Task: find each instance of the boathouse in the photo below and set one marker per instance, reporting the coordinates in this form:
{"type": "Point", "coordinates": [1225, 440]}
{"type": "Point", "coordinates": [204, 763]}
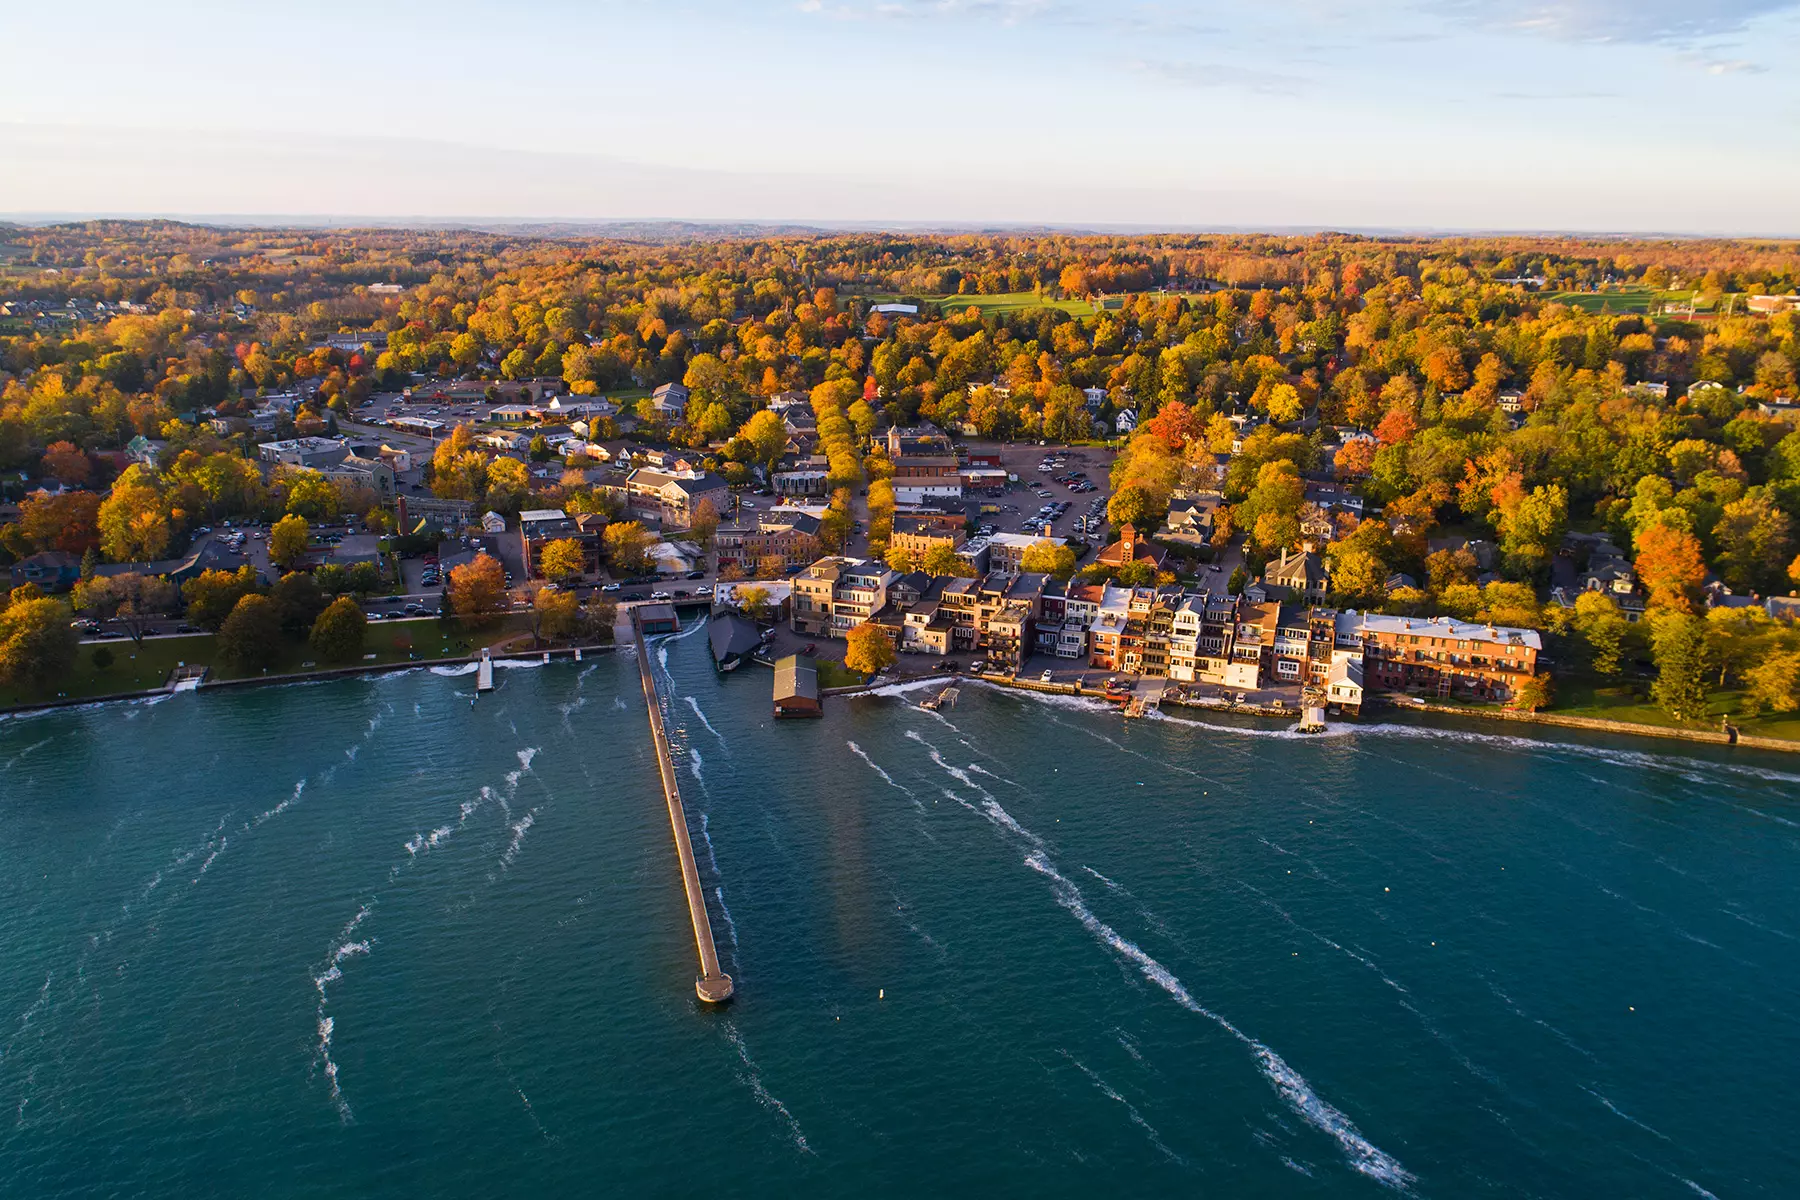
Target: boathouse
{"type": "Point", "coordinates": [733, 639]}
{"type": "Point", "coordinates": [797, 687]}
{"type": "Point", "coordinates": [657, 618]}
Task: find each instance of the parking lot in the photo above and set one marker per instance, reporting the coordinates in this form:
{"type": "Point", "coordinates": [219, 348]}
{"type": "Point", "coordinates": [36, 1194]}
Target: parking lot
{"type": "Point", "coordinates": [1075, 483]}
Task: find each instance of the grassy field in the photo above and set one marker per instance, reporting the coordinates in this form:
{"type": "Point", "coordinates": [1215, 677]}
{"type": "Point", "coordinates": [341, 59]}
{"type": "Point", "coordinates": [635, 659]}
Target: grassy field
{"type": "Point", "coordinates": [1610, 700]}
{"type": "Point", "coordinates": [140, 667]}
{"type": "Point", "coordinates": [1625, 300]}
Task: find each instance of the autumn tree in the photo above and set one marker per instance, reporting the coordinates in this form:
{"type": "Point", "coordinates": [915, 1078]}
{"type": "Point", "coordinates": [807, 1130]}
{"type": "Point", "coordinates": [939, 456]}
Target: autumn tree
{"type": "Point", "coordinates": [298, 601]}
{"type": "Point", "coordinates": [478, 589]}
{"type": "Point", "coordinates": [562, 561]}
{"type": "Point", "coordinates": [37, 644]}
{"type": "Point", "coordinates": [67, 464]}
{"type": "Point", "coordinates": [1048, 558]}
{"type": "Point", "coordinates": [704, 522]}
{"type": "Point", "coordinates": [211, 595]}
{"type": "Point", "coordinates": [941, 561]}
{"type": "Point", "coordinates": [1774, 683]}
{"type": "Point", "coordinates": [134, 601]}
{"type": "Point", "coordinates": [288, 540]}
{"type": "Point", "coordinates": [1670, 566]}
{"type": "Point", "coordinates": [69, 522]}
{"type": "Point", "coordinates": [868, 650]}
{"type": "Point", "coordinates": [554, 613]}
{"type": "Point", "coordinates": [250, 638]}
{"type": "Point", "coordinates": [628, 546]}
{"type": "Point", "coordinates": [337, 634]}
{"type": "Point", "coordinates": [133, 519]}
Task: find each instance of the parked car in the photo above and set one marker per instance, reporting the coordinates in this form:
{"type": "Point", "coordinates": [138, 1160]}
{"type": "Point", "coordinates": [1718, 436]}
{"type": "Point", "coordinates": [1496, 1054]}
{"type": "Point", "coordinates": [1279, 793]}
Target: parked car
{"type": "Point", "coordinates": [610, 587]}
{"type": "Point", "coordinates": [661, 596]}
{"type": "Point", "coordinates": [696, 574]}
{"type": "Point", "coordinates": [1046, 677]}
{"type": "Point", "coordinates": [703, 591]}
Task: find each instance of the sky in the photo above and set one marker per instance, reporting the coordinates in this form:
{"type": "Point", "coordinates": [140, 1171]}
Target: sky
{"type": "Point", "coordinates": [1616, 116]}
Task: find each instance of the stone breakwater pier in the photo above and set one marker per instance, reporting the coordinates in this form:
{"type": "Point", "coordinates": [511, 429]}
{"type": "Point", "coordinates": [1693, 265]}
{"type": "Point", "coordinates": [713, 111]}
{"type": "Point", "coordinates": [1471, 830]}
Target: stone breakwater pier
{"type": "Point", "coordinates": [712, 985]}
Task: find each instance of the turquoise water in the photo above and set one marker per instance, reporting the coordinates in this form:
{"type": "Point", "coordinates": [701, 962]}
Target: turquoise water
{"type": "Point", "coordinates": [365, 938]}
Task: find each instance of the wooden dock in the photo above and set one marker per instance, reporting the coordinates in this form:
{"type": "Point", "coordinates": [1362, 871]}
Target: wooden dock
{"type": "Point", "coordinates": [712, 984]}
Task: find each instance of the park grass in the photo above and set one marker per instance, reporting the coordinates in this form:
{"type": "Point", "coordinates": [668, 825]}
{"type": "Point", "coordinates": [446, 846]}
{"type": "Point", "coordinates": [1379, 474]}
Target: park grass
{"type": "Point", "coordinates": [137, 668]}
{"type": "Point", "coordinates": [1614, 700]}
{"type": "Point", "coordinates": [833, 674]}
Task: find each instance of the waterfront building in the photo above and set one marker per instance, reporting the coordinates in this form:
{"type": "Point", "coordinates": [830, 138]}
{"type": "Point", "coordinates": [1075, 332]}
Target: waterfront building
{"type": "Point", "coordinates": [1440, 655]}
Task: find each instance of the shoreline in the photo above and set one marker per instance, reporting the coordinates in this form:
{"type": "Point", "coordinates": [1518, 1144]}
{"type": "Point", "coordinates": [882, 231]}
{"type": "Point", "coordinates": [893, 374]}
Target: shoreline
{"type": "Point", "coordinates": [18, 710]}
{"type": "Point", "coordinates": [1552, 720]}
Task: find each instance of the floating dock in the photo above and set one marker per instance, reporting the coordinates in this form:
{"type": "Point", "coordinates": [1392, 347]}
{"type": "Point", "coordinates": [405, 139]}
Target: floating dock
{"type": "Point", "coordinates": [484, 673]}
{"type": "Point", "coordinates": [712, 985]}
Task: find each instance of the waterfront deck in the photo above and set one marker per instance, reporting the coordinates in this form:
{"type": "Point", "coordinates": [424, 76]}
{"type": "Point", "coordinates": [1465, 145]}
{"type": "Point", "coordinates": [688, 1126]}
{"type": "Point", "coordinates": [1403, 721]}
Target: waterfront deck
{"type": "Point", "coordinates": [712, 985]}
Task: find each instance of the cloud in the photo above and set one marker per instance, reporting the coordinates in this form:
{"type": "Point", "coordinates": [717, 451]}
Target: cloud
{"type": "Point", "coordinates": [1679, 22]}
{"type": "Point", "coordinates": [1207, 75]}
{"type": "Point", "coordinates": [1724, 66]}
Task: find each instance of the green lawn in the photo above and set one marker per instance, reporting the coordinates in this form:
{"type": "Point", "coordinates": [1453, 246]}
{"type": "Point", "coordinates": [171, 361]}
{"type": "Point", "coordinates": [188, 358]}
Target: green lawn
{"type": "Point", "coordinates": [1611, 700]}
{"type": "Point", "coordinates": [1630, 299]}
{"type": "Point", "coordinates": [140, 667]}
{"type": "Point", "coordinates": [836, 675]}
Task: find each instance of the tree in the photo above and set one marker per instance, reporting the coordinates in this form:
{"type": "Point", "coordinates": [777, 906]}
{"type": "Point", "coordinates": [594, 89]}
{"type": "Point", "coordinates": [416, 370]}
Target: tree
{"type": "Point", "coordinates": [1048, 558]}
{"type": "Point", "coordinates": [37, 644]}
{"type": "Point", "coordinates": [66, 463]}
{"type": "Point", "coordinates": [1602, 630]}
{"type": "Point", "coordinates": [211, 595]}
{"type": "Point", "coordinates": [868, 650]}
{"type": "Point", "coordinates": [508, 484]}
{"type": "Point", "coordinates": [478, 589]}
{"type": "Point", "coordinates": [942, 561]}
{"type": "Point", "coordinates": [1531, 529]}
{"type": "Point", "coordinates": [1284, 403]}
{"type": "Point", "coordinates": [562, 561]}
{"type": "Point", "coordinates": [704, 522]}
{"type": "Point", "coordinates": [1136, 506]}
{"type": "Point", "coordinates": [250, 638]}
{"type": "Point", "coordinates": [753, 600]}
{"type": "Point", "coordinates": [288, 540]}
{"type": "Point", "coordinates": [69, 522]}
{"type": "Point", "coordinates": [554, 612]}
{"type": "Point", "coordinates": [1670, 566]}
{"type": "Point", "coordinates": [902, 559]}
{"type": "Point", "coordinates": [133, 519]}
{"type": "Point", "coordinates": [298, 601]}
{"type": "Point", "coordinates": [1679, 649]}
{"type": "Point", "coordinates": [628, 547]}
{"type": "Point", "coordinates": [311, 495]}
{"type": "Point", "coordinates": [1532, 693]}
{"type": "Point", "coordinates": [132, 600]}
{"type": "Point", "coordinates": [1774, 683]}
{"type": "Point", "coordinates": [1754, 542]}
{"type": "Point", "coordinates": [768, 434]}
{"type": "Point", "coordinates": [337, 634]}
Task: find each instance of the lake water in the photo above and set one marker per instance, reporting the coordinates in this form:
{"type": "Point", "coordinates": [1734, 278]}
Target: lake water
{"type": "Point", "coordinates": [366, 938]}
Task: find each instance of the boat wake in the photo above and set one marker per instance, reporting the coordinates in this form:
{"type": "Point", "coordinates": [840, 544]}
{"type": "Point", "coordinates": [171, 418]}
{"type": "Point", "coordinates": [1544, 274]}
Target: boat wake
{"type": "Point", "coordinates": [1137, 1118]}
{"type": "Point", "coordinates": [699, 712]}
{"type": "Point", "coordinates": [886, 778]}
{"type": "Point", "coordinates": [345, 947]}
{"type": "Point", "coordinates": [1363, 1156]}
{"type": "Point", "coordinates": [751, 1078]}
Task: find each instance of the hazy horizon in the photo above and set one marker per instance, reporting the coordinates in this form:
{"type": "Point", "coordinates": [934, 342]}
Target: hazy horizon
{"type": "Point", "coordinates": [1577, 116]}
